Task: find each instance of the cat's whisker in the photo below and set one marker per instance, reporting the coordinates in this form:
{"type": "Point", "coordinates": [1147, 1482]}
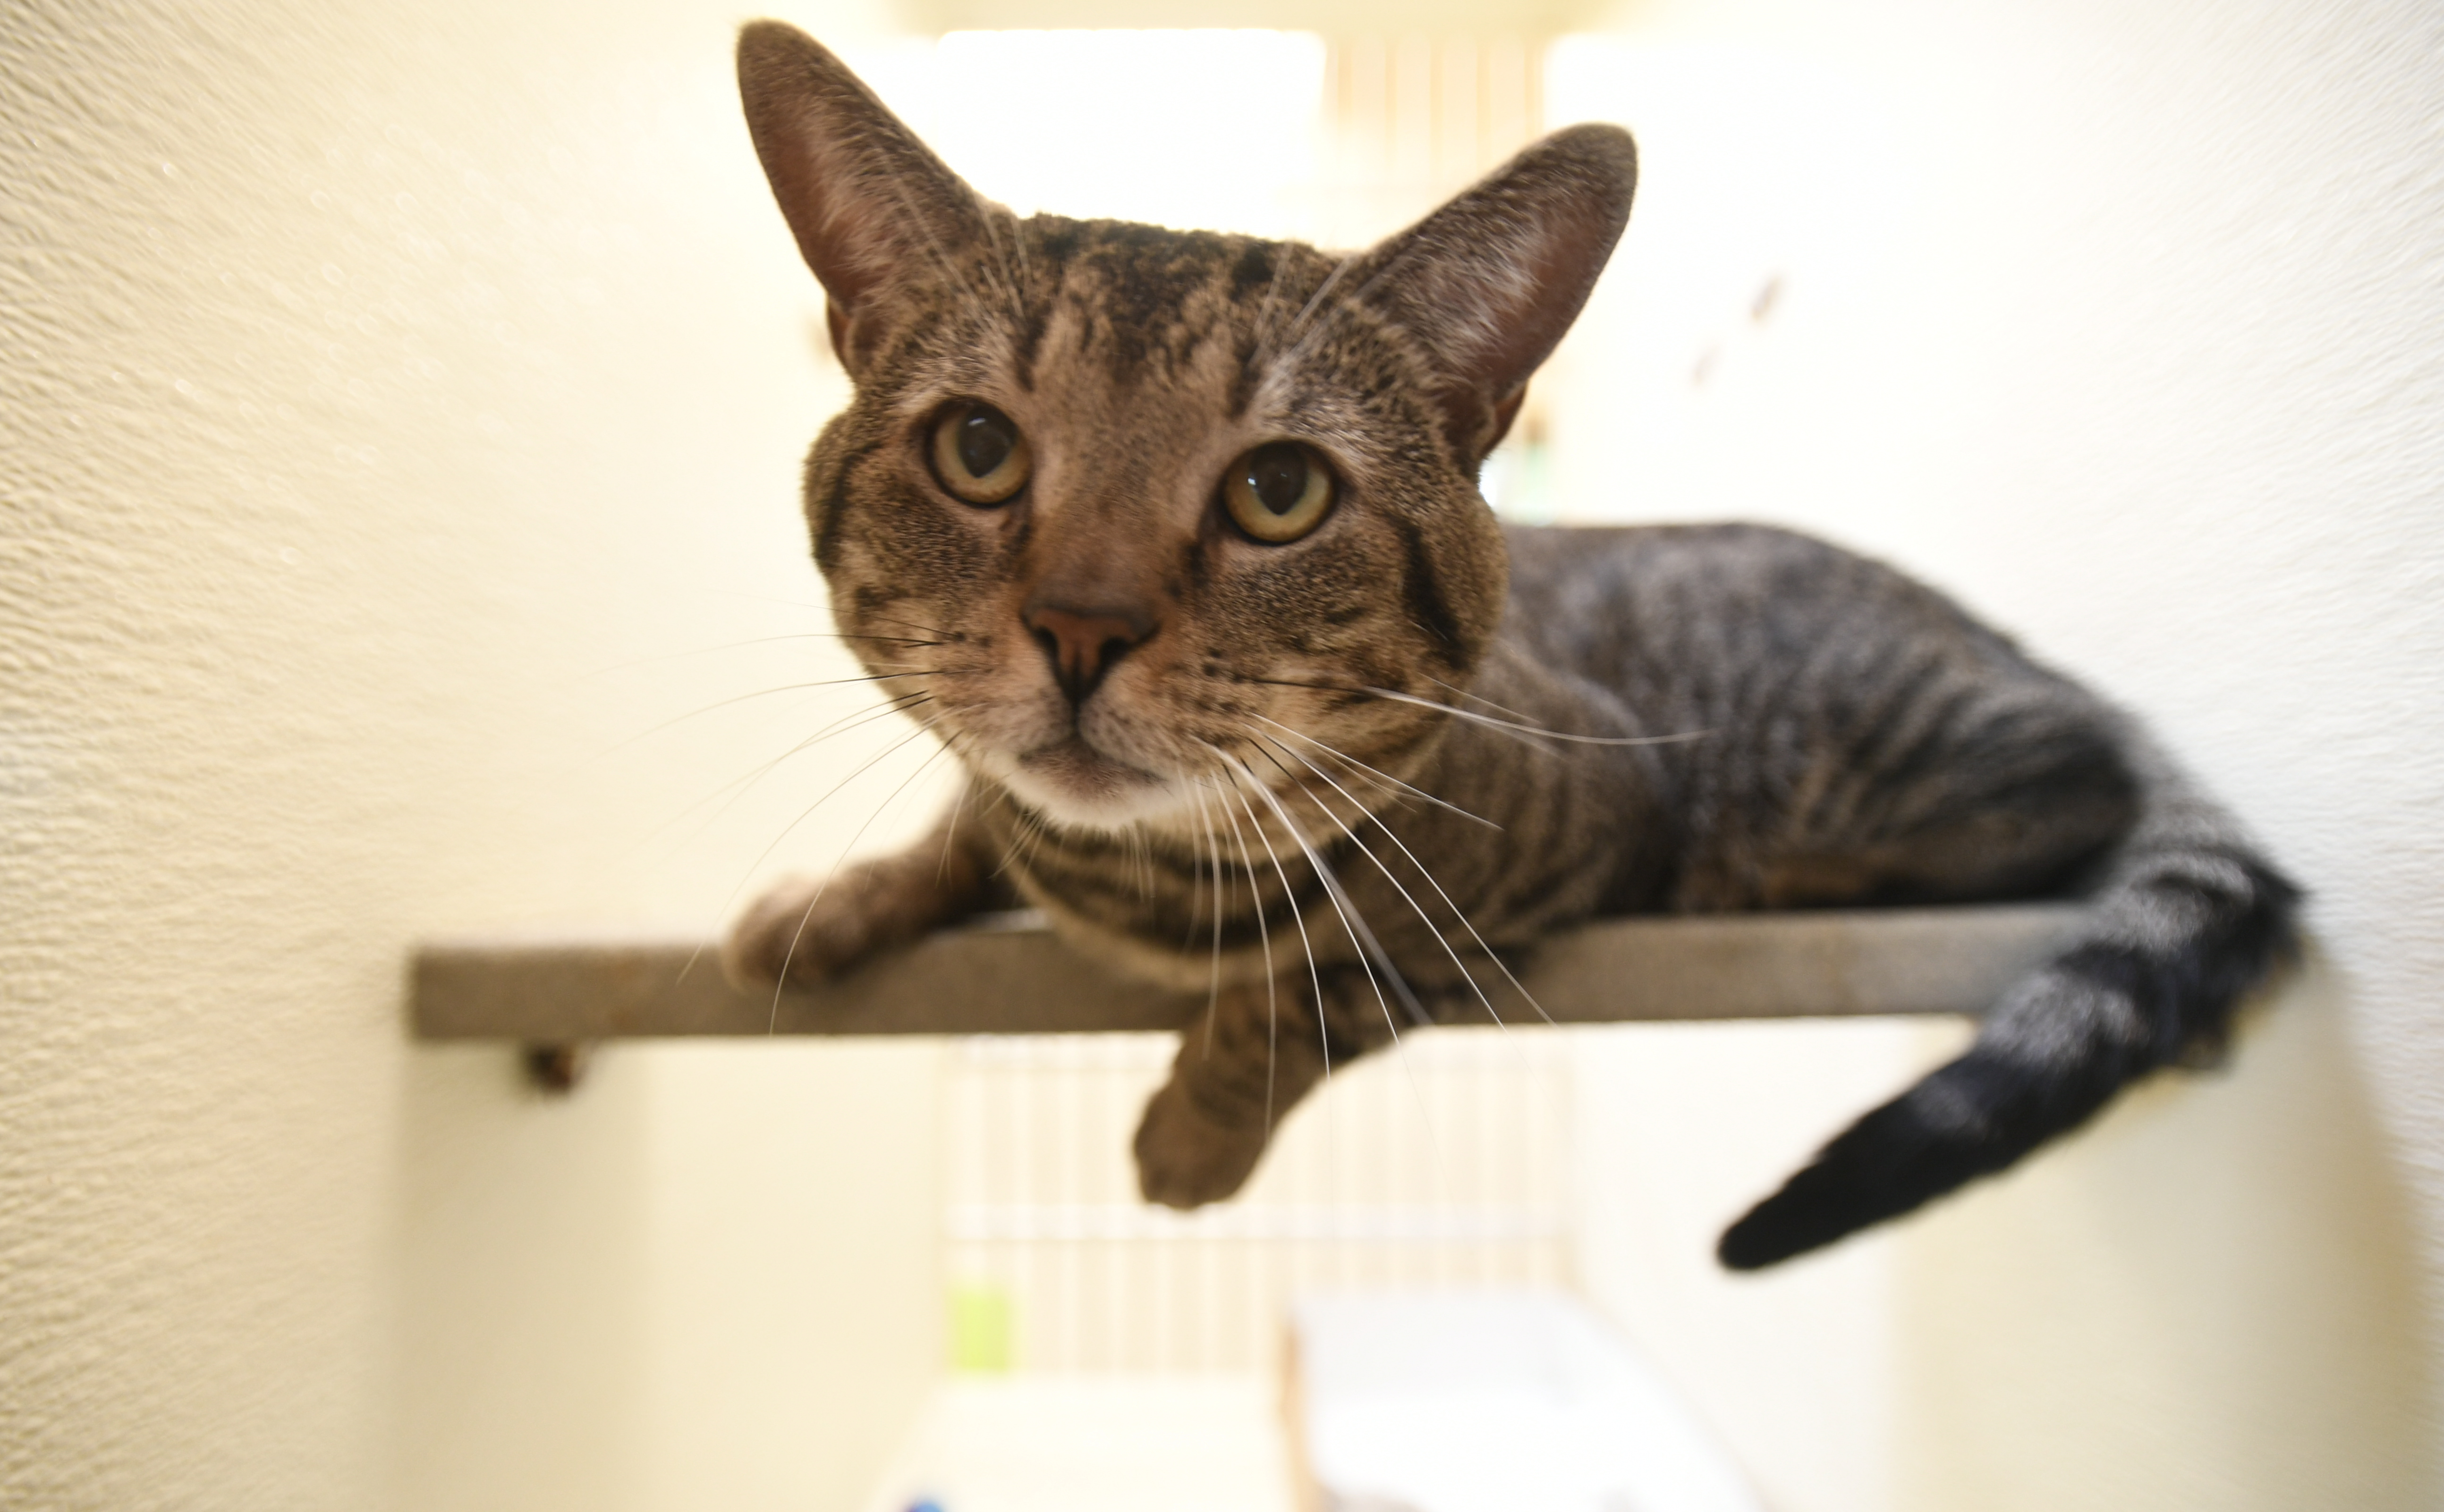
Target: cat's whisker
{"type": "Point", "coordinates": [1476, 698]}
{"type": "Point", "coordinates": [1032, 834]}
{"type": "Point", "coordinates": [947, 637]}
{"type": "Point", "coordinates": [1340, 308]}
{"type": "Point", "coordinates": [1196, 884]}
{"type": "Point", "coordinates": [951, 830]}
{"type": "Point", "coordinates": [1355, 299]}
{"type": "Point", "coordinates": [1026, 273]}
{"type": "Point", "coordinates": [1461, 914]}
{"type": "Point", "coordinates": [996, 272]}
{"type": "Point", "coordinates": [766, 597]}
{"type": "Point", "coordinates": [1273, 981]}
{"type": "Point", "coordinates": [1338, 755]}
{"type": "Point", "coordinates": [744, 783]}
{"type": "Point", "coordinates": [1264, 335]}
{"type": "Point", "coordinates": [1370, 950]}
{"type": "Point", "coordinates": [1361, 936]}
{"type": "Point", "coordinates": [1331, 280]}
{"type": "Point", "coordinates": [1298, 916]}
{"type": "Point", "coordinates": [758, 640]}
{"type": "Point", "coordinates": [1538, 732]}
{"type": "Point", "coordinates": [1440, 938]}
{"type": "Point", "coordinates": [1213, 979]}
{"type": "Point", "coordinates": [1010, 282]}
{"type": "Point", "coordinates": [912, 213]}
{"type": "Point", "coordinates": [780, 984]}
{"type": "Point", "coordinates": [761, 692]}
{"type": "Point", "coordinates": [842, 725]}
{"type": "Point", "coordinates": [802, 815]}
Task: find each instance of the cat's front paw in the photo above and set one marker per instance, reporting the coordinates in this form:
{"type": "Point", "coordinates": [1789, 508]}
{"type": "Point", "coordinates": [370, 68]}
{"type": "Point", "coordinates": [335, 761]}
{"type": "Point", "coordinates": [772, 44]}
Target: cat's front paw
{"type": "Point", "coordinates": [800, 931]}
{"type": "Point", "coordinates": [1185, 1157]}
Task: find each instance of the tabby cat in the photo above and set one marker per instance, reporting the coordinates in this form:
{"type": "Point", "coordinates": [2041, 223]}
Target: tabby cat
{"type": "Point", "coordinates": [1173, 537]}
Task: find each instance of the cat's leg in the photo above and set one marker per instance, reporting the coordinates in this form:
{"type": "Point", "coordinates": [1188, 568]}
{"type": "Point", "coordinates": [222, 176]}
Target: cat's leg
{"type": "Point", "coordinates": [1995, 802]}
{"type": "Point", "coordinates": [808, 928]}
{"type": "Point", "coordinates": [1236, 1076]}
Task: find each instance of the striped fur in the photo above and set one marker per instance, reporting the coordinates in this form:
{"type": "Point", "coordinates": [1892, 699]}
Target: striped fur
{"type": "Point", "coordinates": [1344, 785]}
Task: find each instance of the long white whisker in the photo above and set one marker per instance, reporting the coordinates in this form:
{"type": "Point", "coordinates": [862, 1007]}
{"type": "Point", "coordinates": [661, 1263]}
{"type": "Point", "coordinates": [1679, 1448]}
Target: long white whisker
{"type": "Point", "coordinates": [862, 768]}
{"type": "Point", "coordinates": [1478, 698]}
{"type": "Point", "coordinates": [1330, 279]}
{"type": "Point", "coordinates": [1265, 939]}
{"type": "Point", "coordinates": [1361, 936]}
{"type": "Point", "coordinates": [780, 984]}
{"type": "Point", "coordinates": [947, 637]}
{"type": "Point", "coordinates": [1352, 918]}
{"type": "Point", "coordinates": [1213, 979]}
{"type": "Point", "coordinates": [760, 692]}
{"type": "Point", "coordinates": [911, 215]}
{"type": "Point", "coordinates": [1272, 991]}
{"type": "Point", "coordinates": [1355, 922]}
{"type": "Point", "coordinates": [746, 783]}
{"type": "Point", "coordinates": [1439, 937]}
{"type": "Point", "coordinates": [757, 640]}
{"type": "Point", "coordinates": [951, 830]}
{"type": "Point", "coordinates": [1538, 730]}
{"type": "Point", "coordinates": [1000, 259]}
{"type": "Point", "coordinates": [1461, 914]}
{"type": "Point", "coordinates": [1298, 916]}
{"type": "Point", "coordinates": [1415, 792]}
{"type": "Point", "coordinates": [1488, 720]}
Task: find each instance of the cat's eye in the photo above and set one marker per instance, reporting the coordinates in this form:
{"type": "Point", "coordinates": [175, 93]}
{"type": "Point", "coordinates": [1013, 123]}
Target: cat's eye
{"type": "Point", "coordinates": [1278, 492]}
{"type": "Point", "coordinates": [978, 454]}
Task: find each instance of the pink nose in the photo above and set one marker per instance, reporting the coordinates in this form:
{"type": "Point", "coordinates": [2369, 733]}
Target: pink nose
{"type": "Point", "coordinates": [1082, 644]}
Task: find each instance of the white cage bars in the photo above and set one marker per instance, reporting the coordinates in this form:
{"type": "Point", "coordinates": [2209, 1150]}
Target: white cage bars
{"type": "Point", "coordinates": [1441, 1164]}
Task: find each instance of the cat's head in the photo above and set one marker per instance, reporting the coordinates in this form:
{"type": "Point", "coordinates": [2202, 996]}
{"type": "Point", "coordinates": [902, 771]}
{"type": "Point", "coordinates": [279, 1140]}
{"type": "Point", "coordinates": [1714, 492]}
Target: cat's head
{"type": "Point", "coordinates": [1133, 508]}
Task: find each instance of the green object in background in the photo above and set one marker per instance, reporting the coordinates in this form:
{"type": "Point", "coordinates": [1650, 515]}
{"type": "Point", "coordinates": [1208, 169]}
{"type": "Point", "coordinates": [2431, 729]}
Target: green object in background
{"type": "Point", "coordinates": [979, 1328]}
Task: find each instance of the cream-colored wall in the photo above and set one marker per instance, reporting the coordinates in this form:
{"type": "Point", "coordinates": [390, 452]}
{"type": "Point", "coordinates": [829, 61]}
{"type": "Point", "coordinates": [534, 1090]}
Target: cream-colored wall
{"type": "Point", "coordinates": [2120, 320]}
{"type": "Point", "coordinates": [376, 376]}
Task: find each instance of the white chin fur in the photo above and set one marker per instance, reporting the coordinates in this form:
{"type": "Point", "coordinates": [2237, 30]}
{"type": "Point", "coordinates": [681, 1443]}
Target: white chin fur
{"type": "Point", "coordinates": [1113, 809]}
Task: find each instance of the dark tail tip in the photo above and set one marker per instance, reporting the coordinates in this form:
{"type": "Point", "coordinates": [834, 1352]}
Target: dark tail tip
{"type": "Point", "coordinates": [1970, 1118]}
{"type": "Point", "coordinates": [1857, 1180]}
{"type": "Point", "coordinates": [1765, 1237]}
{"type": "Point", "coordinates": [1775, 1230]}
{"type": "Point", "coordinates": [2060, 1044]}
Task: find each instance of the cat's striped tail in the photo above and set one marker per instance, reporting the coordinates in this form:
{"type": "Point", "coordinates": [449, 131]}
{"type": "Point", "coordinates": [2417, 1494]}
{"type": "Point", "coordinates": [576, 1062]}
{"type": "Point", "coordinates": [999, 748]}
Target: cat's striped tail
{"type": "Point", "coordinates": [2188, 919]}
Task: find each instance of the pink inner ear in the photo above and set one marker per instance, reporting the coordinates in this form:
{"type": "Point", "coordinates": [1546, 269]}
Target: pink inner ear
{"type": "Point", "coordinates": [865, 198]}
{"type": "Point", "coordinates": [802, 142]}
{"type": "Point", "coordinates": [1492, 280]}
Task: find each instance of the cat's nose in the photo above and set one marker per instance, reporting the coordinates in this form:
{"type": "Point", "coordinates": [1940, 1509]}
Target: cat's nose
{"type": "Point", "coordinates": [1083, 644]}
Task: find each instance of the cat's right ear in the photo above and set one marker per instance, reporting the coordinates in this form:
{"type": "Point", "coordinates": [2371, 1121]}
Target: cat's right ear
{"type": "Point", "coordinates": [873, 209]}
{"type": "Point", "coordinates": [1489, 283]}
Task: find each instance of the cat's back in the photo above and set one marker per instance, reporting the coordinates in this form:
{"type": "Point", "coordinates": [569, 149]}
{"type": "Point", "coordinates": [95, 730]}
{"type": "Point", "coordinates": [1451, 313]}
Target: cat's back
{"type": "Point", "coordinates": [1703, 611]}
{"type": "Point", "coordinates": [1809, 703]}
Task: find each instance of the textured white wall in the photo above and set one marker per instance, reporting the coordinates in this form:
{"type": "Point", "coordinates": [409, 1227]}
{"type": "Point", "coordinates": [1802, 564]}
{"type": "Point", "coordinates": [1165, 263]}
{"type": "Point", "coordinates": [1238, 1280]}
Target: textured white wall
{"type": "Point", "coordinates": [371, 378]}
{"type": "Point", "coordinates": [373, 375]}
{"type": "Point", "coordinates": [2121, 322]}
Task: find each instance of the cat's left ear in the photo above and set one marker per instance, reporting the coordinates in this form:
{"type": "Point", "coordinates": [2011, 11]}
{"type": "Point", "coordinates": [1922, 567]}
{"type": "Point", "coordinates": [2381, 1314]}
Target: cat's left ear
{"type": "Point", "coordinates": [1489, 282]}
{"type": "Point", "coordinates": [876, 214]}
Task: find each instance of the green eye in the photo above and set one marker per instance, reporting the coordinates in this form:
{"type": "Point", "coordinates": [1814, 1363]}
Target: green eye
{"type": "Point", "coordinates": [979, 454]}
{"type": "Point", "coordinates": [1278, 492]}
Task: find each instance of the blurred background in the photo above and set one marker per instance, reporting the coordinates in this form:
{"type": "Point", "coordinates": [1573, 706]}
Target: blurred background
{"type": "Point", "coordinates": [399, 416]}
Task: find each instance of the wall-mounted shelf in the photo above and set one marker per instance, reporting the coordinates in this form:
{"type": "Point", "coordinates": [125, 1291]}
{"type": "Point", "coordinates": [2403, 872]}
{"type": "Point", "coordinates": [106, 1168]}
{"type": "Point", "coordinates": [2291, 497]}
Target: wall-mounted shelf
{"type": "Point", "coordinates": [1011, 976]}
